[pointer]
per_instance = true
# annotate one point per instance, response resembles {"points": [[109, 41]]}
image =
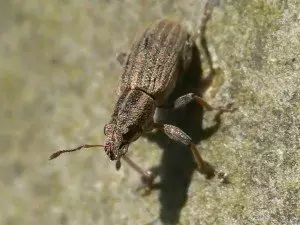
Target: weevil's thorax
{"points": [[134, 111], [133, 114]]}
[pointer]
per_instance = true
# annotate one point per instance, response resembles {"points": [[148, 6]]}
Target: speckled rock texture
{"points": [[58, 77]]}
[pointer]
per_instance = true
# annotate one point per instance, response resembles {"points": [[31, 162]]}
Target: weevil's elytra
{"points": [[156, 59], [151, 69]]}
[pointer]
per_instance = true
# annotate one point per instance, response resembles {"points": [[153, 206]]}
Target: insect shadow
{"points": [[177, 164]]}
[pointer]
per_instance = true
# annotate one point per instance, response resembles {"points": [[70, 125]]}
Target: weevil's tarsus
{"points": [[121, 57], [202, 166], [85, 146], [147, 177], [148, 184]]}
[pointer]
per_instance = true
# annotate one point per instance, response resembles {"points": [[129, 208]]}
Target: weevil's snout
{"points": [[111, 150], [113, 143], [115, 149]]}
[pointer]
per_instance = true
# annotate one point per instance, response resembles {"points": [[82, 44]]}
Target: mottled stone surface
{"points": [[58, 76]]}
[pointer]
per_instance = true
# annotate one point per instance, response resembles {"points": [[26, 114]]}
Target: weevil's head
{"points": [[114, 144]]}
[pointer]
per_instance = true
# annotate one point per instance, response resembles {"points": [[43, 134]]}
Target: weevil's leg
{"points": [[147, 176], [121, 57], [209, 131], [208, 8], [187, 98], [178, 135], [202, 29]]}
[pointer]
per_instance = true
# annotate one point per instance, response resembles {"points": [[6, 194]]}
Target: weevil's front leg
{"points": [[178, 135], [121, 57], [147, 176], [187, 98]]}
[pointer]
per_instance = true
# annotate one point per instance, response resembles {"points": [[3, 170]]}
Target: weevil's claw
{"points": [[121, 57], [207, 170], [222, 176], [144, 190], [229, 108], [147, 184], [210, 172]]}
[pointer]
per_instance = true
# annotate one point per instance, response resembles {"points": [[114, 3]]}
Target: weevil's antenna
{"points": [[85, 146]]}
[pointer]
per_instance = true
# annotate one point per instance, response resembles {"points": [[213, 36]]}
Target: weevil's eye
{"points": [[108, 128], [105, 129]]}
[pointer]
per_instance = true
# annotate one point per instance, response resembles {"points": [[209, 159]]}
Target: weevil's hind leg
{"points": [[178, 135], [187, 98], [121, 57], [147, 177], [208, 8]]}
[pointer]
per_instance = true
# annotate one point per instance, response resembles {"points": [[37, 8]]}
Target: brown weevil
{"points": [[151, 69]]}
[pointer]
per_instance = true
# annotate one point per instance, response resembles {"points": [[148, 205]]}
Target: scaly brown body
{"points": [[150, 72], [151, 69]]}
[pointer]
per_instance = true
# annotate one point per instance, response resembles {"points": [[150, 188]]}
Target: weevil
{"points": [[151, 69]]}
